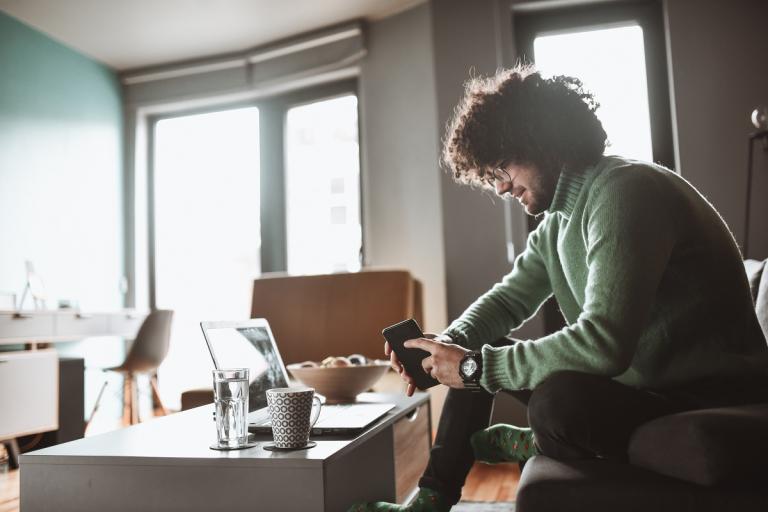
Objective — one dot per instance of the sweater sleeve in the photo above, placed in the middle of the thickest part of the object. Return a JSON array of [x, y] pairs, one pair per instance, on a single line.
[[510, 302], [629, 235]]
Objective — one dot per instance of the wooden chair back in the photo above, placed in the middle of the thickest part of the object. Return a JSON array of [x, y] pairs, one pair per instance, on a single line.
[[313, 317]]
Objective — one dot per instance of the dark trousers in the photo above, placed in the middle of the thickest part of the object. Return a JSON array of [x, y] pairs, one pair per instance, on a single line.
[[573, 416]]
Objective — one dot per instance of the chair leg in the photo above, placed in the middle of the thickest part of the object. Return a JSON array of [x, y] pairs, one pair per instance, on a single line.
[[127, 398], [95, 406], [157, 404], [12, 447], [134, 400]]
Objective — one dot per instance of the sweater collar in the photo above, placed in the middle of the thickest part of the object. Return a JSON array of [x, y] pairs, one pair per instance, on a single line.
[[569, 187], [567, 192]]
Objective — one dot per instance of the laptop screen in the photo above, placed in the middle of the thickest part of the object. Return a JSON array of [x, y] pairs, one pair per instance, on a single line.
[[252, 348]]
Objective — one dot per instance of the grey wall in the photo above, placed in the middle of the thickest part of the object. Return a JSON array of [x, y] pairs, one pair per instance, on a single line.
[[471, 38], [465, 42], [60, 169], [402, 205], [718, 53], [401, 179]]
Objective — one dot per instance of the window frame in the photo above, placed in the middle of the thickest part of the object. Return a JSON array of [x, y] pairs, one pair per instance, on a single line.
[[272, 123], [274, 230]]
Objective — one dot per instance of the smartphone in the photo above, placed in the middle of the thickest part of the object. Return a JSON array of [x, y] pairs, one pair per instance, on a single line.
[[411, 358]]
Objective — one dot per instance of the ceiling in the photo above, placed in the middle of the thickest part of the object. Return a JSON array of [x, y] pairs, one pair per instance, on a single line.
[[128, 34]]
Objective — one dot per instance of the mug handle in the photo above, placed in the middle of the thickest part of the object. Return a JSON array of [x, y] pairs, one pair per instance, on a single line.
[[315, 400]]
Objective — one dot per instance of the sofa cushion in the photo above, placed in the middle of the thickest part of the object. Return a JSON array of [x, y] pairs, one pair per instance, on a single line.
[[548, 485], [707, 446]]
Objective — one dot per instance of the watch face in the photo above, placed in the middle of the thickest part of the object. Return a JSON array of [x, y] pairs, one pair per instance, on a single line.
[[468, 367]]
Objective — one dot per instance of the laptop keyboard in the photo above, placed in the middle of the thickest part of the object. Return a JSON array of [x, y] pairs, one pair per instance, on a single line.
[[261, 418]]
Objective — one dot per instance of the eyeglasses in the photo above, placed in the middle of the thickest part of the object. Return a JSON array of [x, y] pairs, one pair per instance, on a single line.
[[500, 175]]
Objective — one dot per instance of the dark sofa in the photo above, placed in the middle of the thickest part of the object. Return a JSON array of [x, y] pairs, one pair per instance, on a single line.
[[705, 460]]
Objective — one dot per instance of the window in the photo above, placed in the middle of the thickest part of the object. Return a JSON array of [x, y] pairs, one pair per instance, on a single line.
[[618, 53], [611, 64], [273, 185], [206, 232], [311, 221], [322, 174]]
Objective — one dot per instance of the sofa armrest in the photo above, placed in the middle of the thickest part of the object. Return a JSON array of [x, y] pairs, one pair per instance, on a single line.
[[707, 446]]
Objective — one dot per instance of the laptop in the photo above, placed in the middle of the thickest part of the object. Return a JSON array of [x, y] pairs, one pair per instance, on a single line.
[[250, 344]]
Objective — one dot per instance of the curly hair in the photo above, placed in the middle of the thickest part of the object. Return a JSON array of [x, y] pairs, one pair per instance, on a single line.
[[517, 116]]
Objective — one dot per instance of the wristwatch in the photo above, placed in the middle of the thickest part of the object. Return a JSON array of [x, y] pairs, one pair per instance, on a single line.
[[471, 369]]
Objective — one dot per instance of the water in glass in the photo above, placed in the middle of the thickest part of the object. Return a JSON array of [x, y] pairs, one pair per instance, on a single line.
[[231, 402]]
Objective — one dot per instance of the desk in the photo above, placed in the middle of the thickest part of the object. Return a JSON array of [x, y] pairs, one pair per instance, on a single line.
[[65, 325], [165, 464], [33, 374]]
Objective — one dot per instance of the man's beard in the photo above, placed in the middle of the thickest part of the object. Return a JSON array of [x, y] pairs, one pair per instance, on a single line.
[[542, 192]]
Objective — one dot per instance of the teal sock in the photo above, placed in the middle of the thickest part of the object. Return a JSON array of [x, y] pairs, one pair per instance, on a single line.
[[503, 443], [426, 500]]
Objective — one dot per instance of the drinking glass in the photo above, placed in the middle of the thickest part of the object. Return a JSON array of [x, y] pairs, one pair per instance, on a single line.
[[230, 393]]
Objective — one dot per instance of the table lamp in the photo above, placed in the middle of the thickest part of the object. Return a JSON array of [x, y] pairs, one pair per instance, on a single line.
[[759, 119]]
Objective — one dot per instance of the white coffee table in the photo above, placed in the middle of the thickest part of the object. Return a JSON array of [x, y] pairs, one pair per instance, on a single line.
[[165, 464]]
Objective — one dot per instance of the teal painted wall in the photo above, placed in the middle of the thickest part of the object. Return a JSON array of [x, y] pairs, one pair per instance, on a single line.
[[60, 169]]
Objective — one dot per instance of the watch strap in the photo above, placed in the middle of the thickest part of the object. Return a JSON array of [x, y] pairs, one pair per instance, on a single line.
[[473, 386]]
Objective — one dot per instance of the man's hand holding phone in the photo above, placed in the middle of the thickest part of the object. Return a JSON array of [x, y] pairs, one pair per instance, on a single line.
[[442, 363], [396, 365]]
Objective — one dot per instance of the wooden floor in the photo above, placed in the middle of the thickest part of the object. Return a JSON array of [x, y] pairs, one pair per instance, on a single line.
[[9, 491], [485, 483], [492, 483]]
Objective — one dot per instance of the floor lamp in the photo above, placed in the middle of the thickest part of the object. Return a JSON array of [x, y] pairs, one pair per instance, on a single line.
[[760, 121]]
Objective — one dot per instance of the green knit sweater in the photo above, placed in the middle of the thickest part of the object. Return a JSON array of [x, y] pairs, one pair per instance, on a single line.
[[647, 275]]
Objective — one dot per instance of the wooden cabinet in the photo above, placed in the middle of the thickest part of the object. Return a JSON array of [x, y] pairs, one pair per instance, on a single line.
[[412, 442]]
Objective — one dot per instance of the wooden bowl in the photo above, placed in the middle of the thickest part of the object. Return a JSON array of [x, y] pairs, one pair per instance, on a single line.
[[340, 383]]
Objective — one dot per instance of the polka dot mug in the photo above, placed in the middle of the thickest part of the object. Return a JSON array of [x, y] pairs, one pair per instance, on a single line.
[[291, 411]]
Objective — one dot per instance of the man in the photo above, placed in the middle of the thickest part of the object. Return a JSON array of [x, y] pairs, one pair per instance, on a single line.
[[645, 271]]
